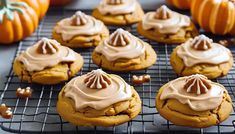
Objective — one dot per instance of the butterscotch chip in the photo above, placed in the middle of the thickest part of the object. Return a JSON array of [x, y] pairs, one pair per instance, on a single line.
[[5, 111], [24, 93], [227, 43], [140, 79]]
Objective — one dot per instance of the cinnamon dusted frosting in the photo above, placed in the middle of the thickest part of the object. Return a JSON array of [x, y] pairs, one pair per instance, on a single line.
[[117, 7], [165, 21], [196, 91], [45, 53], [78, 24], [121, 44], [97, 90], [201, 49]]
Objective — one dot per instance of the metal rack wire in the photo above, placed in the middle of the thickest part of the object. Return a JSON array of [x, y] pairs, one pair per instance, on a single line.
[[38, 113]]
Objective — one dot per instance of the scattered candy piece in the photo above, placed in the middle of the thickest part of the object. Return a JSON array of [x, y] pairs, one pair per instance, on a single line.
[[227, 42], [140, 79], [24, 93], [5, 111]]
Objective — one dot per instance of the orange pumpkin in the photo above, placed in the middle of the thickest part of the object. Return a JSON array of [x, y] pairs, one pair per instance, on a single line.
[[40, 6], [17, 21], [181, 4], [216, 16]]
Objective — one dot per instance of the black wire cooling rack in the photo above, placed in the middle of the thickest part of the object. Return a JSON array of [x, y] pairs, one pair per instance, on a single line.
[[38, 113]]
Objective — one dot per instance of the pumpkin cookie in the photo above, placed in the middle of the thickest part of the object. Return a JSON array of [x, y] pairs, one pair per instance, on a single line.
[[167, 26], [124, 52], [80, 31], [194, 101], [98, 99], [47, 62], [201, 56], [119, 12]]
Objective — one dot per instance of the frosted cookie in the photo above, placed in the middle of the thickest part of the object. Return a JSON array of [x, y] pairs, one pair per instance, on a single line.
[[119, 12], [124, 52], [201, 56], [98, 99], [167, 26], [47, 62], [80, 31], [194, 101]]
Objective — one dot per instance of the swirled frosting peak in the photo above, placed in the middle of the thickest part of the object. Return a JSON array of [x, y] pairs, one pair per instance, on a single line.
[[121, 44], [201, 42], [115, 2], [84, 94], [210, 97], [163, 13], [45, 53], [78, 24], [165, 21], [202, 50], [97, 79], [120, 38], [47, 46], [198, 84], [79, 19], [117, 7]]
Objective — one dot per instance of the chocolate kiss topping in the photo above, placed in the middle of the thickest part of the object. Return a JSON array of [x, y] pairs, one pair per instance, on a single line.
[[115, 2], [119, 38], [97, 79], [198, 84], [163, 13], [201, 43], [79, 19], [47, 46]]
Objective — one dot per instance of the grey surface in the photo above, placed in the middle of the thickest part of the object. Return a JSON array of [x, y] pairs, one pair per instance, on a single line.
[[7, 52]]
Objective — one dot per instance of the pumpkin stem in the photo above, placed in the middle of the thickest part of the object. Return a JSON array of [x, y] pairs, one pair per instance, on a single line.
[[3, 3], [7, 8]]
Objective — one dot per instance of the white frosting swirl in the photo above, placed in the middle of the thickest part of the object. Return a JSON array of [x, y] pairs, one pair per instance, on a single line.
[[215, 55], [133, 49], [35, 61], [207, 101], [127, 7], [98, 99], [165, 26], [68, 31]]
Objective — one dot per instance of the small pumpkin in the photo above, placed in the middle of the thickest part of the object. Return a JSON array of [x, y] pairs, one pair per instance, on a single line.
[[181, 4], [216, 16], [17, 21], [39, 6], [59, 2]]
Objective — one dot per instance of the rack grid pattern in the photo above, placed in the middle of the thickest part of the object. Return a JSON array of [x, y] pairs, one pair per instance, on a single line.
[[38, 113]]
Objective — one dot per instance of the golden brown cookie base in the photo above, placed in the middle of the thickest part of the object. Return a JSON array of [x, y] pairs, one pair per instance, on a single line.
[[145, 61], [59, 73], [114, 115], [82, 41], [183, 115], [120, 20], [182, 36], [209, 70]]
